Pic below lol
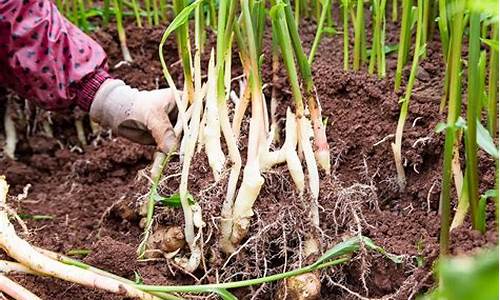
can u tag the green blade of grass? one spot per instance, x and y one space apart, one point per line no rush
473 106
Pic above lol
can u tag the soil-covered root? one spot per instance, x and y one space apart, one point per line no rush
303 287
165 241
24 253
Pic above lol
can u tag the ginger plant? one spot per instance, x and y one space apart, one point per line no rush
304 131
321 147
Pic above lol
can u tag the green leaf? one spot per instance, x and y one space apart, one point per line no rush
181 18
491 194
493 44
422 50
372 246
485 141
138 278
223 293
413 16
346 247
488 6
390 48
330 30
173 200
461 123
468 277
352 245
276 8
440 127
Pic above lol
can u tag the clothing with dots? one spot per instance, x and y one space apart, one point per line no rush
45 58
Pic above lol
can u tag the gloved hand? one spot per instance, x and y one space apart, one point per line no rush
140 116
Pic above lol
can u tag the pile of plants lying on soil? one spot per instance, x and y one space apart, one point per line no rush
257 189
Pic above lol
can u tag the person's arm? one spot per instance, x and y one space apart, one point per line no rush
48 60
45 58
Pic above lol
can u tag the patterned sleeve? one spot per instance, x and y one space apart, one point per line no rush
45 58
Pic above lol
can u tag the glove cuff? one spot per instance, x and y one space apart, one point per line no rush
104 108
89 87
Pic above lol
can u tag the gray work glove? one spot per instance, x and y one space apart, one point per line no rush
140 116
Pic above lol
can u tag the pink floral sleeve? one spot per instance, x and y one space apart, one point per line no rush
47 59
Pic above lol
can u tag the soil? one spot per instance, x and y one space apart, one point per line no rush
80 191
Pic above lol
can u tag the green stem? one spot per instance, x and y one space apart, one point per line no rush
182 34
345 10
377 56
59 5
409 88
282 33
319 31
297 11
203 288
394 10
454 104
157 170
106 13
425 33
156 16
473 105
149 19
163 10
358 35
493 87
403 42
135 8
443 27
82 16
304 66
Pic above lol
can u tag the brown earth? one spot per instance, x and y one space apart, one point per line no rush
80 191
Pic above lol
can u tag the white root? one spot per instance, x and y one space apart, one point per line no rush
234 155
201 134
15 290
80 132
191 136
252 180
47 124
292 159
24 253
287 153
10 131
248 193
211 132
399 166
305 135
10 267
